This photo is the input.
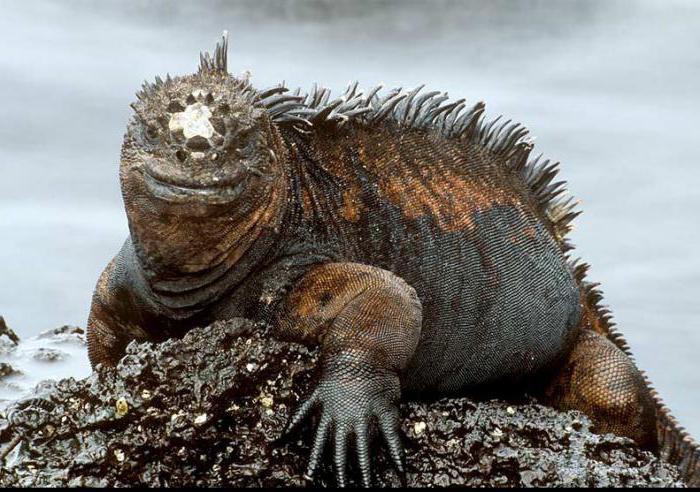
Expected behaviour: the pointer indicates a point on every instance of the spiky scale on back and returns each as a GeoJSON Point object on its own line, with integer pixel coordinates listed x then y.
{"type": "Point", "coordinates": [431, 111]}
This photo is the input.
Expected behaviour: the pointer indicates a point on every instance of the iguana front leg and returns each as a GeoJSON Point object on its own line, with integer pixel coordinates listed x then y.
{"type": "Point", "coordinates": [114, 316]}
{"type": "Point", "coordinates": [368, 322]}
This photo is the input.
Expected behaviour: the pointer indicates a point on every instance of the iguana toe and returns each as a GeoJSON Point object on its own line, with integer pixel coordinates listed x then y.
{"type": "Point", "coordinates": [349, 409]}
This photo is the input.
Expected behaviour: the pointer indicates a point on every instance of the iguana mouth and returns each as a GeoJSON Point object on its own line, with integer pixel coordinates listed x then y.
{"type": "Point", "coordinates": [215, 192]}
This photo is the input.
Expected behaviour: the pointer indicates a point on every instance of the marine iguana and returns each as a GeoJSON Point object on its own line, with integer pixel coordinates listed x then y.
{"type": "Point", "coordinates": [420, 246]}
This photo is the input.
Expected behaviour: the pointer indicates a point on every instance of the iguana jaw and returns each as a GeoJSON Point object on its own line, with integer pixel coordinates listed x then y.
{"type": "Point", "coordinates": [219, 195]}
{"type": "Point", "coordinates": [215, 191]}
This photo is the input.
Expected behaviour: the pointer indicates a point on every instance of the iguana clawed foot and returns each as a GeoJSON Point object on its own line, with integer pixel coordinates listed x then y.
{"type": "Point", "coordinates": [352, 406]}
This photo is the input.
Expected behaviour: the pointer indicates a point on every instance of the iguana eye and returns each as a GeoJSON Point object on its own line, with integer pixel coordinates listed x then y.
{"type": "Point", "coordinates": [151, 134]}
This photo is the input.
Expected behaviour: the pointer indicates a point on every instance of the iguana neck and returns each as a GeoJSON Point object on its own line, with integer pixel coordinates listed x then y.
{"type": "Point", "coordinates": [188, 263]}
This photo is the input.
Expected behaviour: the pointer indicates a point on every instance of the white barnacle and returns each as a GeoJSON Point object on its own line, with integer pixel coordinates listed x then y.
{"type": "Point", "coordinates": [178, 415]}
{"type": "Point", "coordinates": [121, 407]}
{"type": "Point", "coordinates": [193, 121]}
{"type": "Point", "coordinates": [419, 428]}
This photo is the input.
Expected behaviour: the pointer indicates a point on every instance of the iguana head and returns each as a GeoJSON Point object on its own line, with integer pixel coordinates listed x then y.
{"type": "Point", "coordinates": [199, 164]}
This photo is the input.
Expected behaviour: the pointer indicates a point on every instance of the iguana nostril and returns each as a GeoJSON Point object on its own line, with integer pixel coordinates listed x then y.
{"type": "Point", "coordinates": [152, 132]}
{"type": "Point", "coordinates": [198, 143]}
{"type": "Point", "coordinates": [175, 107]}
{"type": "Point", "coordinates": [181, 155]}
{"type": "Point", "coordinates": [218, 125]}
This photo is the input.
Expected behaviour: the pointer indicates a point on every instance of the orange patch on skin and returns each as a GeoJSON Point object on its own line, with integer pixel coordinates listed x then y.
{"type": "Point", "coordinates": [307, 296]}
{"type": "Point", "coordinates": [351, 204]}
{"type": "Point", "coordinates": [450, 198]}
{"type": "Point", "coordinates": [526, 233]}
{"type": "Point", "coordinates": [590, 320]}
{"type": "Point", "coordinates": [529, 232]}
{"type": "Point", "coordinates": [452, 188]}
{"type": "Point", "coordinates": [306, 203]}
{"type": "Point", "coordinates": [320, 296]}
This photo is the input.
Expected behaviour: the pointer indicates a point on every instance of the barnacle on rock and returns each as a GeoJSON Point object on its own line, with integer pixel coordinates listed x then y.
{"type": "Point", "coordinates": [267, 401]}
{"type": "Point", "coordinates": [119, 455]}
{"type": "Point", "coordinates": [419, 428]}
{"type": "Point", "coordinates": [121, 407]}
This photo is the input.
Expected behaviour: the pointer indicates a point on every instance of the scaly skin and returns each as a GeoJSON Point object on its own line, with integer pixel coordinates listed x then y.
{"type": "Point", "coordinates": [423, 252]}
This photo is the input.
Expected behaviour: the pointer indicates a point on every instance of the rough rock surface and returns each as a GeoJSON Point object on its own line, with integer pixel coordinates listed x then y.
{"type": "Point", "coordinates": [209, 409]}
{"type": "Point", "coordinates": [8, 343]}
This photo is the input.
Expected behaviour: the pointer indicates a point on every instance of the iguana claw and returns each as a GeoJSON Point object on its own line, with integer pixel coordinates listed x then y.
{"type": "Point", "coordinates": [348, 409]}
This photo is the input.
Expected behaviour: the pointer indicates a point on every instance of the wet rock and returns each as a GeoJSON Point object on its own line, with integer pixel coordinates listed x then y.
{"type": "Point", "coordinates": [7, 331]}
{"type": "Point", "coordinates": [8, 338]}
{"type": "Point", "coordinates": [62, 330]}
{"type": "Point", "coordinates": [6, 370]}
{"type": "Point", "coordinates": [66, 333]}
{"type": "Point", "coordinates": [208, 410]}
{"type": "Point", "coordinates": [48, 355]}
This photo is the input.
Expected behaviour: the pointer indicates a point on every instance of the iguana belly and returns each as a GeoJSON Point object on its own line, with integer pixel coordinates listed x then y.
{"type": "Point", "coordinates": [499, 300]}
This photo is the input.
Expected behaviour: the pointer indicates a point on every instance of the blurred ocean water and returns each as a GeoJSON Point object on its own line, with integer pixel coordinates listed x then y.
{"type": "Point", "coordinates": [609, 87]}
